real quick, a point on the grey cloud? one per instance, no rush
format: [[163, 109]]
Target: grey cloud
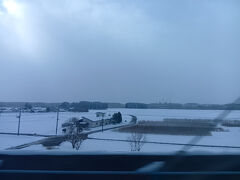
[[183, 51]]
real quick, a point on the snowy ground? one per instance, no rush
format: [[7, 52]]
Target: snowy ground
[[218, 138], [45, 123], [42, 123], [7, 141]]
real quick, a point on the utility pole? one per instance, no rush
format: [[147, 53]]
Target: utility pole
[[19, 120], [102, 114], [57, 120], [102, 123]]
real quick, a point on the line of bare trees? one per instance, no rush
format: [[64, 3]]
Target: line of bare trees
[[136, 141], [75, 138]]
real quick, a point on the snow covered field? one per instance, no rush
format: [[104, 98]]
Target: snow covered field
[[45, 123], [218, 138], [7, 141], [42, 123]]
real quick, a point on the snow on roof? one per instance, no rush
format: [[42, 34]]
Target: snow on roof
[[94, 117]]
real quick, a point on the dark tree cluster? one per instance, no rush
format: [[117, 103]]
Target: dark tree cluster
[[65, 105], [117, 117], [28, 106], [83, 106], [165, 106], [136, 105], [183, 106]]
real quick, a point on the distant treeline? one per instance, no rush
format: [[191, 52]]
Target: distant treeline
[[22, 104], [83, 106], [183, 106]]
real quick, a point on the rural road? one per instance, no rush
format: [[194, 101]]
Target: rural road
[[57, 140]]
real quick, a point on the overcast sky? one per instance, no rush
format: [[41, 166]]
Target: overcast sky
[[120, 50]]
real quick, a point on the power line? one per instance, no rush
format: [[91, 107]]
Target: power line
[[19, 120], [193, 142], [57, 120], [167, 143], [217, 121]]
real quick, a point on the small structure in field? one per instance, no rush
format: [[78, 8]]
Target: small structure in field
[[231, 123], [192, 127], [84, 123]]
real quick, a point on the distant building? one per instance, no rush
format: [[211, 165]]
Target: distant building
[[86, 123], [39, 109]]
